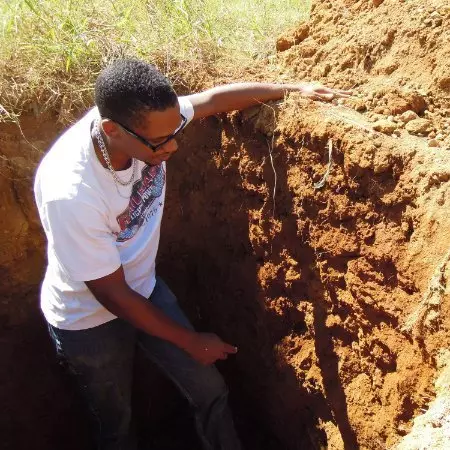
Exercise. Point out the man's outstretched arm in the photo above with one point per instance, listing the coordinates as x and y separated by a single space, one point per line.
231 97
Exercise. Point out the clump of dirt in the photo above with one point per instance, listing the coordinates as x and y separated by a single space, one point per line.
393 53
432 429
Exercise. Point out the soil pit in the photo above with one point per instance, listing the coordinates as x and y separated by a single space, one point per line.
327 291
330 277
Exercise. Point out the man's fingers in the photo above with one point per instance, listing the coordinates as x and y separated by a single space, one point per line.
230 349
327 96
342 94
325 90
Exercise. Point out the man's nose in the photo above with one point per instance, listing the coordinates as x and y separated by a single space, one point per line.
171 146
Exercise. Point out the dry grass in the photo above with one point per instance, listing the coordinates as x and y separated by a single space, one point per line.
52 50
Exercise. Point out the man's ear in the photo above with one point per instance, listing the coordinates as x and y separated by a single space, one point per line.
110 128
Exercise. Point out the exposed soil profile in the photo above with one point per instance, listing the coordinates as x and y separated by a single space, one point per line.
313 236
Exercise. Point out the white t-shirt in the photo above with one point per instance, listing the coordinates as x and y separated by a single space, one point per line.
94 226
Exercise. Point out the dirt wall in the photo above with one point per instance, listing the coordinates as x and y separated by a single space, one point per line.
331 285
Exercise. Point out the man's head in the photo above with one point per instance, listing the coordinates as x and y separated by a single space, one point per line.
139 108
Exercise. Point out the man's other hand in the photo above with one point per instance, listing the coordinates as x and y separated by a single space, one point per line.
207 348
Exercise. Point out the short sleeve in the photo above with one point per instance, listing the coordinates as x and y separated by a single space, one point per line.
80 239
186 108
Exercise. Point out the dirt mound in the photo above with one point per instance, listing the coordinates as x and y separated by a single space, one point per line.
393 53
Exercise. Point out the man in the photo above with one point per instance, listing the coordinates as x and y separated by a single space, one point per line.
100 194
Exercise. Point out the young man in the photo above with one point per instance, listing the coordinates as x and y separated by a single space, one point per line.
100 194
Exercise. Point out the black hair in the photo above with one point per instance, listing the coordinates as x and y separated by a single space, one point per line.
128 88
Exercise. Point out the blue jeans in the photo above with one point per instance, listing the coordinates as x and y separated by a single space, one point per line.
101 360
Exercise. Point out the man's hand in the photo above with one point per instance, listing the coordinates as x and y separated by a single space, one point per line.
236 96
207 348
317 91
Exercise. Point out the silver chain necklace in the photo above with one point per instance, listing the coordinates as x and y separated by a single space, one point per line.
101 144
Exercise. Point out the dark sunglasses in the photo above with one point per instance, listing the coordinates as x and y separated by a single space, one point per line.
148 144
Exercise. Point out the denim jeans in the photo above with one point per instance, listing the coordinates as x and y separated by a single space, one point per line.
101 360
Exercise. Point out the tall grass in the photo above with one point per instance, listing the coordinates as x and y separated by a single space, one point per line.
53 49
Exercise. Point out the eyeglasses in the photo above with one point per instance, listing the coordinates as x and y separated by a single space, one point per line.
148 144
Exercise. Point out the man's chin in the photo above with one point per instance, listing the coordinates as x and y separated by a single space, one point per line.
157 162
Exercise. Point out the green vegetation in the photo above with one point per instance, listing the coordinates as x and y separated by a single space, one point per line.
53 49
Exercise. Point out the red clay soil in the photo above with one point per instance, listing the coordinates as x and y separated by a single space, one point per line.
331 278
394 54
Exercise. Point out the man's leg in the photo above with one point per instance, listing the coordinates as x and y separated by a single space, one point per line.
203 386
101 361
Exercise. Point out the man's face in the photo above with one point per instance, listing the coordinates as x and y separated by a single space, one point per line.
156 130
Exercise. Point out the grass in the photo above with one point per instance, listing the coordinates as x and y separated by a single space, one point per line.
52 50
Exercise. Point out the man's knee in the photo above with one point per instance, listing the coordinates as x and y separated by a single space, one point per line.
116 428
213 389
112 418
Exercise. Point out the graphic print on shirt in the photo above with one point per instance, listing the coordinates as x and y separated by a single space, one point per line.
140 207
